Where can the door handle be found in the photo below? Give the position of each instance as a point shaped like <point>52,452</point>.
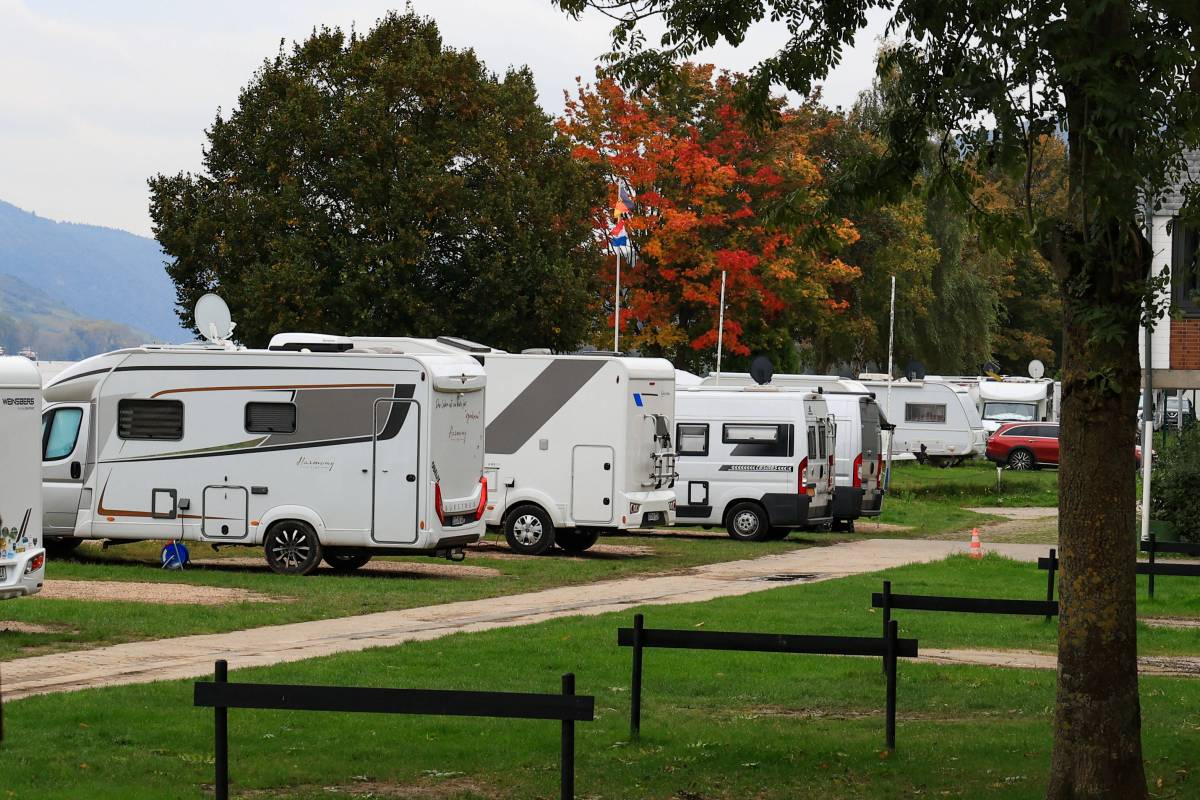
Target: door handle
<point>76,470</point>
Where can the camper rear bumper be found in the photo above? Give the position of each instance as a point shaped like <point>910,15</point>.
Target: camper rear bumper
<point>847,502</point>
<point>18,584</point>
<point>648,508</point>
<point>794,510</point>
<point>872,503</point>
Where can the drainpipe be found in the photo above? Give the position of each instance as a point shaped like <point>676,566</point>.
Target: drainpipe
<point>1147,387</point>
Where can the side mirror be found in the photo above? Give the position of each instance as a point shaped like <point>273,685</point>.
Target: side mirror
<point>76,470</point>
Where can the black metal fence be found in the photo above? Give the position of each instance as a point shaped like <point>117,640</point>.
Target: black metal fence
<point>1153,567</point>
<point>964,605</point>
<point>890,648</point>
<point>567,707</point>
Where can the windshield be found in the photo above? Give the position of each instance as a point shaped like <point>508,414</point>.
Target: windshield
<point>1010,412</point>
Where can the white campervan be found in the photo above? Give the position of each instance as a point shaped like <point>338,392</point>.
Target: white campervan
<point>759,461</point>
<point>935,421</point>
<point>309,455</point>
<point>1015,400</point>
<point>576,445</point>
<point>22,557</point>
<point>860,448</point>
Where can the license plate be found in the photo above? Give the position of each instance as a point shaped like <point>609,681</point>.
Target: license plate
<point>652,517</point>
<point>456,521</point>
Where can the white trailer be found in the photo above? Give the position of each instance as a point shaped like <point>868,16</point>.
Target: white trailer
<point>308,455</point>
<point>1015,400</point>
<point>22,555</point>
<point>934,421</point>
<point>577,445</point>
<point>759,461</point>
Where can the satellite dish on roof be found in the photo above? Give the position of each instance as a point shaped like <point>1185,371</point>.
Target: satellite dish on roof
<point>1036,369</point>
<point>915,371</point>
<point>762,370</point>
<point>213,319</point>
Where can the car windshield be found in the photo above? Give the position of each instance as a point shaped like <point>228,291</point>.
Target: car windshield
<point>1010,412</point>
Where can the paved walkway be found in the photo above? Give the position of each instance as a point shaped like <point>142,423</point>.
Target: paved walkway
<point>193,656</point>
<point>1177,666</point>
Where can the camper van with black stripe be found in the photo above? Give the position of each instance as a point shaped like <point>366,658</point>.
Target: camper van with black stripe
<point>759,461</point>
<point>577,445</point>
<point>311,456</point>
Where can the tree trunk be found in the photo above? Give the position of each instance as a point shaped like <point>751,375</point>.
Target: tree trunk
<point>1101,260</point>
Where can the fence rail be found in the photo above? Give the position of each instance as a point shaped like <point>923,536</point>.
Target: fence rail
<point>1153,567</point>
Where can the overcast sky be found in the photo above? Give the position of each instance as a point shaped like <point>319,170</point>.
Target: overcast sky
<point>97,96</point>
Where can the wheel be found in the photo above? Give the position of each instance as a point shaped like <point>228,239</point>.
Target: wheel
<point>575,540</point>
<point>1020,460</point>
<point>61,546</point>
<point>292,548</point>
<point>747,522</point>
<point>345,561</point>
<point>529,530</point>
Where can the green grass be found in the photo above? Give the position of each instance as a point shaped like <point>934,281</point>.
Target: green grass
<point>716,725</point>
<point>81,623</point>
<point>973,484</point>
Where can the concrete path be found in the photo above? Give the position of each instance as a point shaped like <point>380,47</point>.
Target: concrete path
<point>193,656</point>
<point>1177,666</point>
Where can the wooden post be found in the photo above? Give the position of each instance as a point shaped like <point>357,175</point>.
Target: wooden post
<point>567,758</point>
<point>1050,578</point>
<point>887,615</point>
<point>893,635</point>
<point>635,694</point>
<point>1153,547</point>
<point>221,730</point>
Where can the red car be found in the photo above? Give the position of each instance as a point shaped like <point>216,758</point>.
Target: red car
<point>1029,445</point>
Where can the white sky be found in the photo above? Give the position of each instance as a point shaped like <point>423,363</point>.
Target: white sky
<point>98,96</point>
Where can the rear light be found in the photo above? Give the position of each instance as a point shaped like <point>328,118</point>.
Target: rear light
<point>671,505</point>
<point>857,472</point>
<point>483,497</point>
<point>803,474</point>
<point>35,563</point>
<point>437,503</point>
<point>635,508</point>
<point>879,471</point>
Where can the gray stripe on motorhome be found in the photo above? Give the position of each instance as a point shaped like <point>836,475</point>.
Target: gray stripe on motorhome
<point>335,413</point>
<point>540,400</point>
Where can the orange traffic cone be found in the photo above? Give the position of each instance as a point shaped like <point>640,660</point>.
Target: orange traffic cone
<point>976,546</point>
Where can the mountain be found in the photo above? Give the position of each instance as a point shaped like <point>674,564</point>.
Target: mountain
<point>97,273</point>
<point>31,318</point>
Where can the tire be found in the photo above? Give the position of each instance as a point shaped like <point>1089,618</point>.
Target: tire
<point>61,546</point>
<point>576,540</point>
<point>747,522</point>
<point>529,530</point>
<point>342,561</point>
<point>1021,459</point>
<point>292,548</point>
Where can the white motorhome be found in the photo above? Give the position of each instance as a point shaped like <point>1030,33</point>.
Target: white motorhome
<point>577,445</point>
<point>935,421</point>
<point>311,456</point>
<point>860,447</point>
<point>757,460</point>
<point>1015,400</point>
<point>22,556</point>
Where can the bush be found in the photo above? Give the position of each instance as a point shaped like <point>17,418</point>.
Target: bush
<point>1176,476</point>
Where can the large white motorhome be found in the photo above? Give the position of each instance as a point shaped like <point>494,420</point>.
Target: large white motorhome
<point>22,557</point>
<point>934,421</point>
<point>311,456</point>
<point>757,460</point>
<point>577,445</point>
<point>861,452</point>
<point>1015,400</point>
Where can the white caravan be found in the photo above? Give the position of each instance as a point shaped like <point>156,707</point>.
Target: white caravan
<point>1015,400</point>
<point>577,445</point>
<point>22,557</point>
<point>935,421</point>
<point>757,460</point>
<point>310,456</point>
<point>860,449</point>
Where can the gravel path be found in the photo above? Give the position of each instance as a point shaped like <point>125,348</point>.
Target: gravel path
<point>193,656</point>
<point>145,592</point>
<point>1177,666</point>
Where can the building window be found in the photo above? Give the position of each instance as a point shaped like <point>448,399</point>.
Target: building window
<point>270,417</point>
<point>1185,277</point>
<point>150,419</point>
<point>925,412</point>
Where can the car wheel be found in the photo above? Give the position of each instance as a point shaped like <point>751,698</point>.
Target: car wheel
<point>576,540</point>
<point>529,530</point>
<point>343,561</point>
<point>747,522</point>
<point>292,548</point>
<point>1021,460</point>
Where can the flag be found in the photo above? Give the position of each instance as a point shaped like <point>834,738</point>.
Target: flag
<point>617,237</point>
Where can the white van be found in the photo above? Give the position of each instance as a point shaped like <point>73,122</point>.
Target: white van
<point>577,445</point>
<point>1015,400</point>
<point>935,421</point>
<point>311,456</point>
<point>759,461</point>
<point>22,557</point>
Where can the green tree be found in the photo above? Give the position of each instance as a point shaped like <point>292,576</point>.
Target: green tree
<point>383,183</point>
<point>1121,78</point>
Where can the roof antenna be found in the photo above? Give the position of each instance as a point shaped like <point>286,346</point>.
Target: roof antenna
<point>213,319</point>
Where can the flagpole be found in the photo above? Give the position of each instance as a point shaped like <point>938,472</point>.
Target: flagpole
<point>617,306</point>
<point>721,328</point>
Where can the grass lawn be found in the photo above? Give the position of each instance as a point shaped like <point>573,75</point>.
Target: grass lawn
<point>973,484</point>
<point>716,726</point>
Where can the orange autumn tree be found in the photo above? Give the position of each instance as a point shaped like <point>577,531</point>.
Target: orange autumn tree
<point>706,183</point>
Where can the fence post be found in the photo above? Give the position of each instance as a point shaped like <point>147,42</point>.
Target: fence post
<point>893,635</point>
<point>887,615</point>
<point>1050,578</point>
<point>221,728</point>
<point>635,693</point>
<point>1153,548</point>
<point>567,759</point>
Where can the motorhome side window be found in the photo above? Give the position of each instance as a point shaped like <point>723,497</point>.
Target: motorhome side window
<point>692,440</point>
<point>270,417</point>
<point>925,412</point>
<point>60,430</point>
<point>150,419</point>
<point>756,439</point>
<point>812,441</point>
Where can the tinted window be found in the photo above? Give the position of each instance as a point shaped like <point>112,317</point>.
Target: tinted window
<point>1049,431</point>
<point>1022,430</point>
<point>60,430</point>
<point>692,440</point>
<point>812,442</point>
<point>758,440</point>
<point>925,412</point>
<point>150,419</point>
<point>270,417</point>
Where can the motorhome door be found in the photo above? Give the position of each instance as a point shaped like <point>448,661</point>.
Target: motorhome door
<point>396,460</point>
<point>592,471</point>
<point>64,457</point>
